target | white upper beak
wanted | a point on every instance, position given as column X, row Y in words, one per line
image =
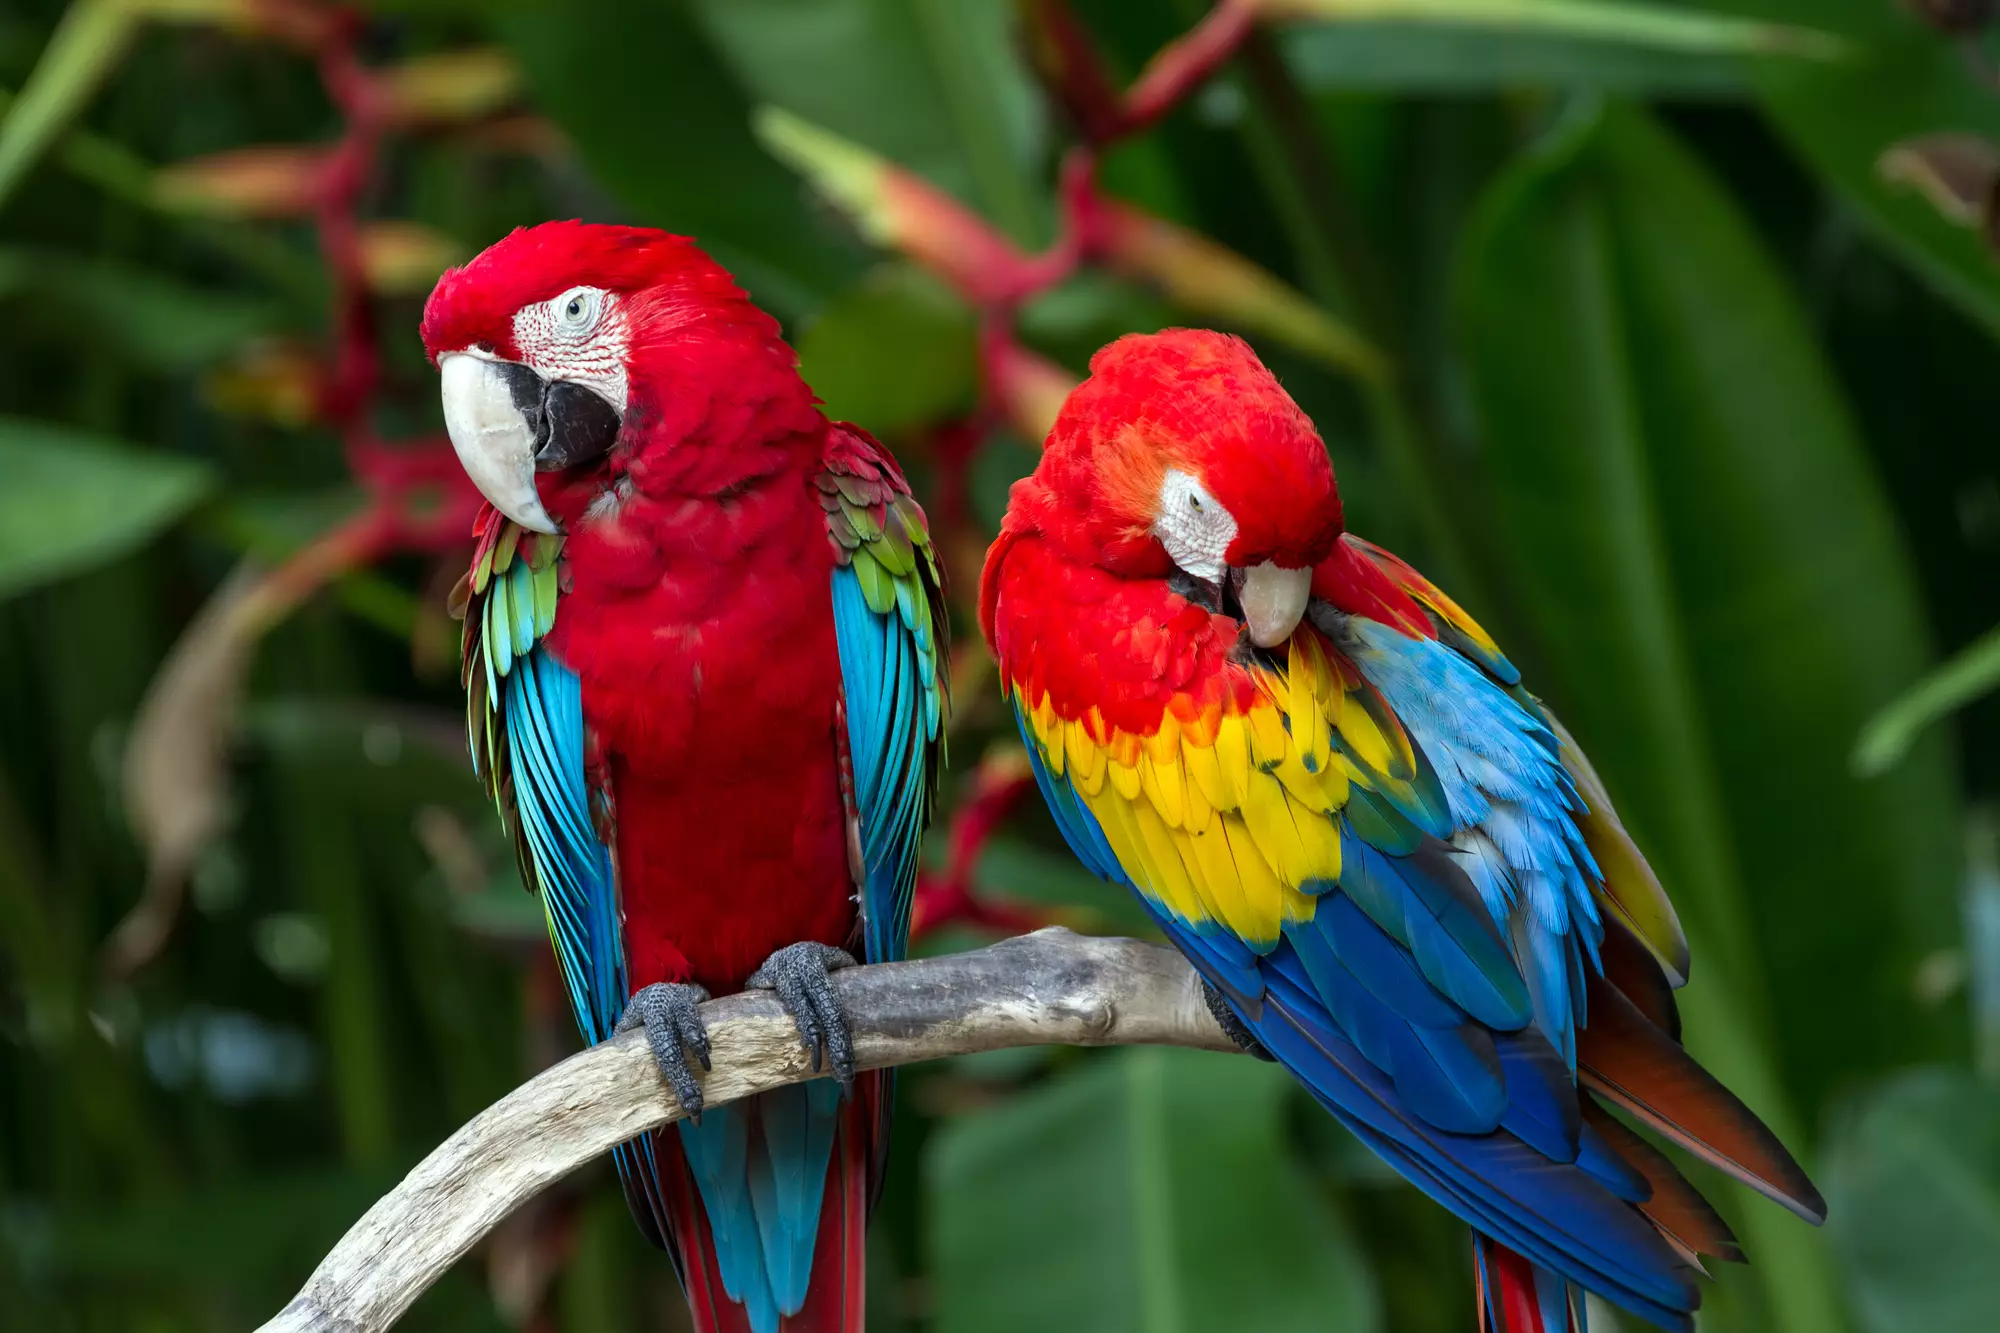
column 1273, row 601
column 493, row 441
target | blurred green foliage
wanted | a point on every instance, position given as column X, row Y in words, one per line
column 1692, row 407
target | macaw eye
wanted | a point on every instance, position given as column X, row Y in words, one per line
column 577, row 310
column 1194, row 502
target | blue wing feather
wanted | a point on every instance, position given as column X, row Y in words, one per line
column 534, row 761
column 1486, row 1122
column 1554, row 1213
column 894, row 731
column 1455, row 945
column 544, row 722
column 1376, row 961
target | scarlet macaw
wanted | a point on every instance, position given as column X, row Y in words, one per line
column 1394, row 870
column 703, row 636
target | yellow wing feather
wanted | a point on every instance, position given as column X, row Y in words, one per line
column 1085, row 756
column 1164, row 788
column 1222, row 817
column 1232, row 760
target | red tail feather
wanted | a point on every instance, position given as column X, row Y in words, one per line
column 1635, row 1065
column 1506, row 1294
column 1676, row 1209
column 1631, row 967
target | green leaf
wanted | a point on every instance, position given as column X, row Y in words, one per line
column 72, row 501
column 1913, row 1185
column 1842, row 117
column 1662, row 27
column 233, row 1232
column 1712, row 568
column 87, row 42
column 1013, row 869
column 1000, row 461
column 1423, row 58
column 894, row 352
column 162, row 324
column 1147, row 1192
column 933, row 85
column 1719, row 595
column 663, row 123
column 1970, row 673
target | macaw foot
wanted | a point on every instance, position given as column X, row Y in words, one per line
column 800, row 973
column 667, row 1010
column 1232, row 1026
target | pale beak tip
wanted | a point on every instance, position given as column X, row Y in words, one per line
column 1274, row 601
column 491, row 438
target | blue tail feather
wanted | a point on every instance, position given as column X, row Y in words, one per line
column 718, row 1151
column 760, row 1167
column 1496, row 1181
column 788, row 1180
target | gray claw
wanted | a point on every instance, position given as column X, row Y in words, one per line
column 799, row 973
column 668, row 1012
column 1232, row 1026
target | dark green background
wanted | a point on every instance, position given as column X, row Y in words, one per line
column 1695, row 412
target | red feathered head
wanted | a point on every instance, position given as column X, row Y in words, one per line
column 569, row 350
column 1182, row 451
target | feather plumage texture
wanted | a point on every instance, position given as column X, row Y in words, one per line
column 739, row 630
column 1390, row 858
column 759, row 1169
column 524, row 718
column 889, row 619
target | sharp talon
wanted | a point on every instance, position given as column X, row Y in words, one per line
column 799, row 975
column 669, row 1013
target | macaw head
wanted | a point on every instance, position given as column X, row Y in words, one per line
column 576, row 356
column 1182, row 452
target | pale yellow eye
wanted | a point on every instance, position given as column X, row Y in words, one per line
column 575, row 311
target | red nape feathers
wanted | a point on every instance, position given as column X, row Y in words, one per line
column 475, row 303
column 1198, row 402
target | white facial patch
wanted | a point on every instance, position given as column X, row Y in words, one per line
column 1193, row 526
column 578, row 336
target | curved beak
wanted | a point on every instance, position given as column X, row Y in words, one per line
column 508, row 423
column 1273, row 601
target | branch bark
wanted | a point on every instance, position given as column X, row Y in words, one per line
column 1049, row 987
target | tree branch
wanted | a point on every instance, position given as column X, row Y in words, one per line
column 1049, row 987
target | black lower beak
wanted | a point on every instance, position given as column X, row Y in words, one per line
column 570, row 423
